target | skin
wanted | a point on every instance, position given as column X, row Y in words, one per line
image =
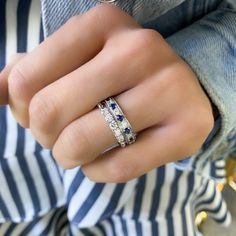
column 54, row 91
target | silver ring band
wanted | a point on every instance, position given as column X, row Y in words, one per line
column 117, row 122
column 112, row 124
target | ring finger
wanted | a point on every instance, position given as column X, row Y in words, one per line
column 87, row 137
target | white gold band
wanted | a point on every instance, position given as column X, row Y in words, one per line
column 112, row 124
column 117, row 122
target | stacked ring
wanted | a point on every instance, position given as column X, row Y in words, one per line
column 122, row 121
column 117, row 121
column 112, row 124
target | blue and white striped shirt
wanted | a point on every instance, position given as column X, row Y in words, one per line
column 39, row 198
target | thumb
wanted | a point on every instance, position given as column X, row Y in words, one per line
column 4, row 77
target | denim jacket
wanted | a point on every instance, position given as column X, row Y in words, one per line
column 202, row 32
column 164, row 201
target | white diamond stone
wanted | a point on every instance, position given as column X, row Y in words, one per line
column 116, row 112
column 117, row 132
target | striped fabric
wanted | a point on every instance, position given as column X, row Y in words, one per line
column 38, row 198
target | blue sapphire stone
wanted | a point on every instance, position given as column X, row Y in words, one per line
column 113, row 106
column 127, row 130
column 120, row 117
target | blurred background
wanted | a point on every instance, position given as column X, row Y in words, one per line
column 206, row 225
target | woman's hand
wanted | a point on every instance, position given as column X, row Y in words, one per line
column 54, row 91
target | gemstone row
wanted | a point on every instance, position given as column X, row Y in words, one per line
column 123, row 123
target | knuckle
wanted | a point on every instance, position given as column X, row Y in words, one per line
column 103, row 12
column 100, row 13
column 18, row 85
column 104, row 15
column 95, row 19
column 145, row 46
column 147, row 38
column 62, row 161
column 69, row 141
column 42, row 112
column 119, row 171
column 108, row 18
column 76, row 144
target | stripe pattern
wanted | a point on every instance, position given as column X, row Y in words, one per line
column 38, row 198
column 30, row 180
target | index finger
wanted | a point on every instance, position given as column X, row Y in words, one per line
column 154, row 147
column 75, row 43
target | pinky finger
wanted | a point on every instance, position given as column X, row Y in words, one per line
column 154, row 147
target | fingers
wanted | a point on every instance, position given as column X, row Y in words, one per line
column 82, row 89
column 154, row 147
column 41, row 67
column 75, row 43
column 87, row 137
column 107, row 74
column 147, row 104
column 4, row 77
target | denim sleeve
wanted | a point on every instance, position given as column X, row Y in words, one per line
column 209, row 47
